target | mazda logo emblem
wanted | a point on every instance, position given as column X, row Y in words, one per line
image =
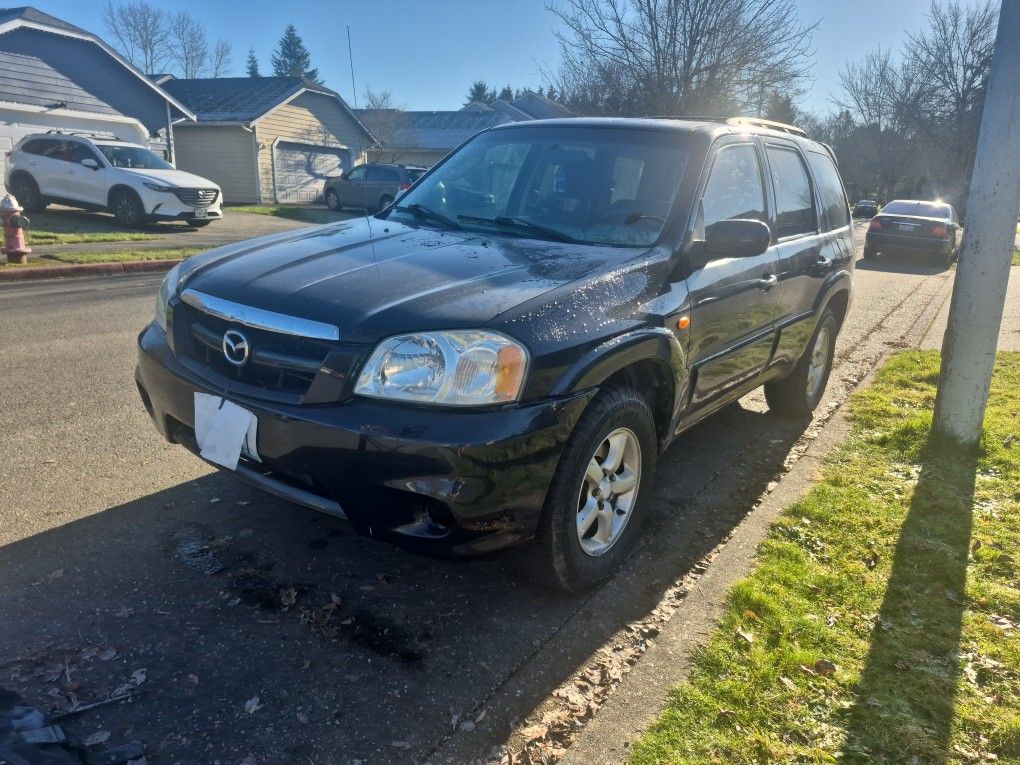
column 236, row 348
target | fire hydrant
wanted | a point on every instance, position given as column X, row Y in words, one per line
column 15, row 247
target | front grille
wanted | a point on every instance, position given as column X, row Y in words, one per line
column 277, row 363
column 197, row 197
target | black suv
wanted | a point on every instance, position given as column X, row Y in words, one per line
column 503, row 354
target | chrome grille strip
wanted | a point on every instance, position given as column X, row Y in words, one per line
column 259, row 318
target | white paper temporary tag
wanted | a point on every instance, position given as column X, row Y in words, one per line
column 221, row 429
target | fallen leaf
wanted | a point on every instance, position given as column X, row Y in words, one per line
column 99, row 737
column 871, row 561
column 400, row 744
column 302, row 718
column 288, row 597
column 108, row 654
column 466, row 727
column 55, row 574
column 533, row 732
column 252, row 705
column 214, row 500
column 751, row 615
column 788, row 683
column 193, row 679
column 747, row 637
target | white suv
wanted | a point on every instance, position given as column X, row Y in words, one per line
column 94, row 173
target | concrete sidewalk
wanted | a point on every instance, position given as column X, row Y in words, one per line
column 1009, row 332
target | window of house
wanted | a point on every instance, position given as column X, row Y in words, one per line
column 795, row 206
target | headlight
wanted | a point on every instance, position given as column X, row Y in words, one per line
column 157, row 187
column 166, row 291
column 461, row 368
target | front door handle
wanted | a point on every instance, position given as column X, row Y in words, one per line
column 768, row 281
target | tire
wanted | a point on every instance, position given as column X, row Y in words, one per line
column 26, row 191
column 869, row 254
column 385, row 201
column 333, row 200
column 798, row 394
column 127, row 209
column 569, row 559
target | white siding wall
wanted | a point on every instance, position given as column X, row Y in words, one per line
column 223, row 154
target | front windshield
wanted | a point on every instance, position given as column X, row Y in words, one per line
column 594, row 185
column 133, row 157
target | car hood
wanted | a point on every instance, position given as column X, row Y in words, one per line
column 171, row 178
column 373, row 278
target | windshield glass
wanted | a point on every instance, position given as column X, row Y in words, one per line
column 593, row 185
column 133, row 157
column 924, row 209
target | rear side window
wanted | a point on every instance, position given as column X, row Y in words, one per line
column 795, row 206
column 734, row 188
column 830, row 190
column 413, row 175
column 375, row 174
column 391, row 174
column 45, row 147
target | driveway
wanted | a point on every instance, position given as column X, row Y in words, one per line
column 272, row 634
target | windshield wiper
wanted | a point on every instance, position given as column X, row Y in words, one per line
column 421, row 212
column 506, row 220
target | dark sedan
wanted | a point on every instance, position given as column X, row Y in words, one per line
column 865, row 208
column 912, row 227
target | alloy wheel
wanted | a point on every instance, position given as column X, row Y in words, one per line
column 608, row 491
column 818, row 363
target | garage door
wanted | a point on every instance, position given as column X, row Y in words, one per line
column 301, row 170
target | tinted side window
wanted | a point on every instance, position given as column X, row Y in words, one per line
column 830, row 190
column 734, row 187
column 80, row 151
column 375, row 174
column 37, row 146
column 795, row 207
column 391, row 174
column 357, row 174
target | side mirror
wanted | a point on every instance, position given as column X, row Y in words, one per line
column 91, row 164
column 736, row 238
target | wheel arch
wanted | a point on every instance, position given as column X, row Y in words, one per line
column 118, row 187
column 650, row 361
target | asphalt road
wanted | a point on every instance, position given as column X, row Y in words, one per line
column 119, row 552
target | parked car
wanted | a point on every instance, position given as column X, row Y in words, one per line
column 97, row 173
column 370, row 187
column 866, row 208
column 503, row 354
column 914, row 227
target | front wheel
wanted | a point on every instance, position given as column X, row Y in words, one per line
column 127, row 209
column 798, row 394
column 332, row 200
column 596, row 502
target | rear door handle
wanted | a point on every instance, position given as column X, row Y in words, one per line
column 821, row 260
column 768, row 281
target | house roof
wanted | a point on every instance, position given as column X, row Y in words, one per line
column 245, row 99
column 433, row 130
column 33, row 18
column 540, row 107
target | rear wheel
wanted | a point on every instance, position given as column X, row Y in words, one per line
column 127, row 209
column 332, row 200
column 798, row 394
column 385, row 201
column 26, row 191
column 596, row 502
column 869, row 253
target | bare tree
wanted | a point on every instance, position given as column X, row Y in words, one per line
column 141, row 31
column 679, row 56
column 188, row 46
column 221, row 59
column 383, row 118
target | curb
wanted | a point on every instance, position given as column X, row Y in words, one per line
column 86, row 269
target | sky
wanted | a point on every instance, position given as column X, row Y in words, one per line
column 427, row 52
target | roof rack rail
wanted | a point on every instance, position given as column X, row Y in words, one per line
column 690, row 117
column 782, row 127
column 85, row 134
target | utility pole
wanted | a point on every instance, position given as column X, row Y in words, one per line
column 982, row 275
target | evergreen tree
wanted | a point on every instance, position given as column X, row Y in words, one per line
column 480, row 92
column 291, row 58
column 253, row 64
column 507, row 93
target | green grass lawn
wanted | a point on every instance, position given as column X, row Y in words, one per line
column 73, row 227
column 1016, row 256
column 879, row 625
column 306, row 214
column 119, row 256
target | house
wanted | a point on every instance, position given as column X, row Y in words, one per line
column 424, row 138
column 56, row 76
column 266, row 139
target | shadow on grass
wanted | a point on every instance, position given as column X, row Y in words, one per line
column 906, row 694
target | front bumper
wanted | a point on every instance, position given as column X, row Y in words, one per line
column 160, row 206
column 909, row 244
column 459, row 482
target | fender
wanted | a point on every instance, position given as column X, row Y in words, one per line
column 650, row 344
column 837, row 281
